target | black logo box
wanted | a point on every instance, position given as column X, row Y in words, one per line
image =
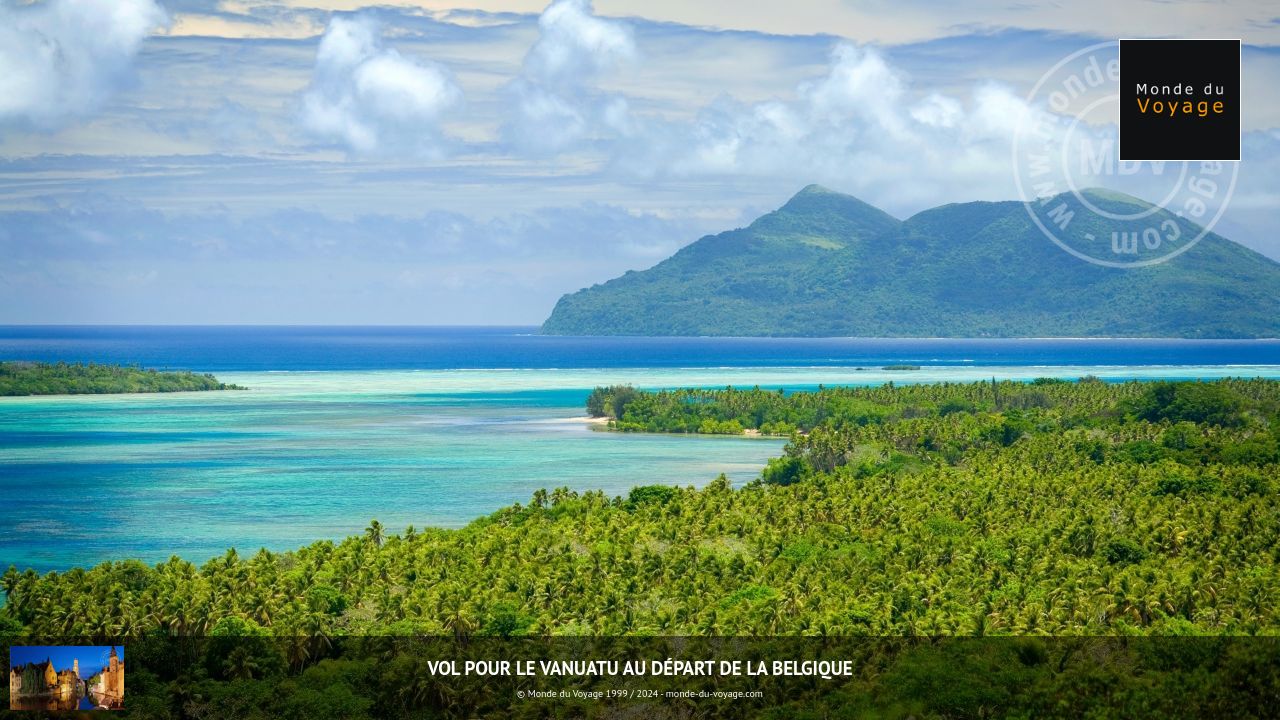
column 1184, row 64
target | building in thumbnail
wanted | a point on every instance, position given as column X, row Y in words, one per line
column 49, row 677
column 69, row 679
column 109, row 690
column 40, row 678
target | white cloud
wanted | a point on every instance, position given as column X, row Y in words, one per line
column 859, row 86
column 373, row 100
column 556, row 104
column 574, row 44
column 60, row 59
column 860, row 127
column 937, row 111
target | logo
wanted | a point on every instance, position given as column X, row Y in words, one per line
column 1180, row 99
column 1083, row 197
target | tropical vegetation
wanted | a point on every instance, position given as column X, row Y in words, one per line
column 1067, row 509
column 38, row 378
column 989, row 508
column 830, row 265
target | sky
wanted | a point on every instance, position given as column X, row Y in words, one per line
column 92, row 657
column 426, row 162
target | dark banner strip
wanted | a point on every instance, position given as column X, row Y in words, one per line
column 657, row 677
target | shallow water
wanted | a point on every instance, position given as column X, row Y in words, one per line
column 148, row 476
column 319, row 451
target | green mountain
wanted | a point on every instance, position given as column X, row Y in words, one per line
column 827, row 264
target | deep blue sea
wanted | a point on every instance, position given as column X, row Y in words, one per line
column 423, row 426
column 442, row 348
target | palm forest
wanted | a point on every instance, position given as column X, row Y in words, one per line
column 62, row 378
column 1066, row 548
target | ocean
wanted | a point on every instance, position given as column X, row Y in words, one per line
column 423, row 426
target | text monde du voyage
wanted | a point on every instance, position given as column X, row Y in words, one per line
column 1180, row 99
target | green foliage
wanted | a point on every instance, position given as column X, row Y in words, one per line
column 32, row 378
column 751, row 594
column 506, row 620
column 785, row 470
column 610, row 402
column 1123, row 551
column 1181, row 484
column 233, row 626
column 956, row 405
column 9, row 627
column 326, row 599
column 830, row 265
column 241, row 649
column 886, row 515
column 646, row 494
column 336, row 689
column 1207, row 403
column 720, row 427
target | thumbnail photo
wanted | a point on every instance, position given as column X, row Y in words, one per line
column 56, row 677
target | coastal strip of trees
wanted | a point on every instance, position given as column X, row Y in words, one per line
column 62, row 378
column 1088, row 401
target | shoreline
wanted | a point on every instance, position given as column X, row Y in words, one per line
column 603, row 423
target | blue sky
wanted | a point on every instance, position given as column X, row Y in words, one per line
column 92, row 657
column 317, row 161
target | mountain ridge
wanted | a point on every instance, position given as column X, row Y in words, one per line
column 826, row 264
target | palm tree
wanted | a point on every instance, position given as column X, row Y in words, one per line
column 241, row 664
column 374, row 533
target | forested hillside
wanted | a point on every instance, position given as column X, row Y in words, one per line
column 829, row 265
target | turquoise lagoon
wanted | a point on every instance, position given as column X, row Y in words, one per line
column 304, row 456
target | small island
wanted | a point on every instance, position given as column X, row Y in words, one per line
column 39, row 378
column 827, row 264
